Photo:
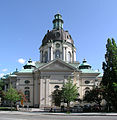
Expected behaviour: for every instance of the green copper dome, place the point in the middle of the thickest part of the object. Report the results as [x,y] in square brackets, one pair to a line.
[29,64]
[84,65]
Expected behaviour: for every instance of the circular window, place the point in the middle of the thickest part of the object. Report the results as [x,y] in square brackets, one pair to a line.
[27,81]
[87,82]
[57,34]
[57,45]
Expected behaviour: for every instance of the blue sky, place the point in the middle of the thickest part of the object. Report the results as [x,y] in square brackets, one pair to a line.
[23,24]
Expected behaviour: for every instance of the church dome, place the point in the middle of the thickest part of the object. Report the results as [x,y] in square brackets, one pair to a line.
[84,65]
[57,34]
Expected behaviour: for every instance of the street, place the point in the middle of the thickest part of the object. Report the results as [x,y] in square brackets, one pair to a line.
[39,116]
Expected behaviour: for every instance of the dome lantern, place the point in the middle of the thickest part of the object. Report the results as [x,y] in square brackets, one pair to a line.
[58,22]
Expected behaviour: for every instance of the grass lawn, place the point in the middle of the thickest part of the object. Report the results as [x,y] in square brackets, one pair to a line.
[6,109]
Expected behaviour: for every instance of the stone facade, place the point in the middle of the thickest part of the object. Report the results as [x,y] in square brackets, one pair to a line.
[37,80]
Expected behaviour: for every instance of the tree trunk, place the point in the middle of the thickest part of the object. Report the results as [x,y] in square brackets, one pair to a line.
[68,107]
[11,105]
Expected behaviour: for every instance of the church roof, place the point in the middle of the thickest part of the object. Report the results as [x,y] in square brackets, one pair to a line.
[89,71]
[42,65]
[76,65]
[57,33]
[26,71]
[30,63]
[86,68]
[84,65]
[39,64]
[13,74]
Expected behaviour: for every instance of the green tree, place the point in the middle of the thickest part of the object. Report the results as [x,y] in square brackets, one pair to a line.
[110,74]
[1,89]
[69,92]
[1,85]
[115,87]
[12,96]
[94,95]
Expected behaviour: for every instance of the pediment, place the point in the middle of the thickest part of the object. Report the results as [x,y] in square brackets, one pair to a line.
[57,66]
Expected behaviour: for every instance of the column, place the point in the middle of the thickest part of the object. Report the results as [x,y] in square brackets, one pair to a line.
[65,54]
[74,55]
[41,93]
[52,52]
[40,56]
[47,92]
[48,53]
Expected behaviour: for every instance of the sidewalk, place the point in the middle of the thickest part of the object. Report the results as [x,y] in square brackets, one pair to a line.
[59,114]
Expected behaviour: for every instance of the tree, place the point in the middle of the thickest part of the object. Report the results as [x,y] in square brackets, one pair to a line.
[94,95]
[69,92]
[1,88]
[110,74]
[12,96]
[1,85]
[57,97]
[115,87]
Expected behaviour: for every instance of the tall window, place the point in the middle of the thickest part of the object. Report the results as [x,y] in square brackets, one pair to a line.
[46,57]
[69,57]
[57,54]
[27,94]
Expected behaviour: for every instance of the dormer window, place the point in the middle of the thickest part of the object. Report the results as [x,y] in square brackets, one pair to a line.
[57,45]
[57,54]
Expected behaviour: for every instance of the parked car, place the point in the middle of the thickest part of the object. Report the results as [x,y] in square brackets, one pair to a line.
[87,108]
[96,108]
[77,108]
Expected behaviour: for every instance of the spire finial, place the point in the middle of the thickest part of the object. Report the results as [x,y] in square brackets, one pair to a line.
[30,60]
[84,60]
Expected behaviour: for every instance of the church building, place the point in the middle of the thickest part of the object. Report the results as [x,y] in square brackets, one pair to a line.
[37,80]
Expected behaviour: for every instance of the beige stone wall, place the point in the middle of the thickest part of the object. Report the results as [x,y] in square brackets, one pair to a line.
[21,86]
[64,50]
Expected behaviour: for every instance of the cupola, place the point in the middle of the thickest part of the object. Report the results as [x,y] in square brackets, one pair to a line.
[84,65]
[58,22]
[29,64]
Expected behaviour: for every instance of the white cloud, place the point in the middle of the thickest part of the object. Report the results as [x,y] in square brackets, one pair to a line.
[4,70]
[1,74]
[96,70]
[21,61]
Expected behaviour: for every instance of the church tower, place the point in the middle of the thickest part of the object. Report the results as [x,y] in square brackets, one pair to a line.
[57,43]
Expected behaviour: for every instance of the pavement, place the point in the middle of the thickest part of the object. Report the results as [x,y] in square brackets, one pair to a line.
[34,111]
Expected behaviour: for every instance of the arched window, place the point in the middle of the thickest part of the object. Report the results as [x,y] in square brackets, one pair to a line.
[69,57]
[27,94]
[56,86]
[27,88]
[86,92]
[46,57]
[57,54]
[87,88]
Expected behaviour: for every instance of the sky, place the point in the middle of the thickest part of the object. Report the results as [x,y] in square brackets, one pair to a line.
[23,24]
